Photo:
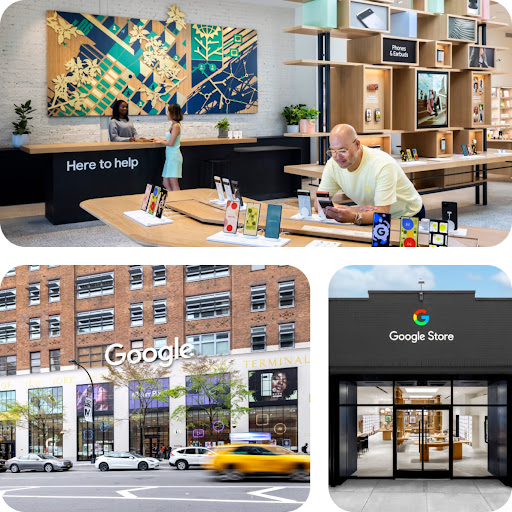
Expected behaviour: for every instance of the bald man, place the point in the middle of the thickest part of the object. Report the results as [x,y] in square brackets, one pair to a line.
[369,177]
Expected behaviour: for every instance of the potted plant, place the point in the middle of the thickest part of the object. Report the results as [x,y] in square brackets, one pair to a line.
[308,118]
[223,126]
[291,114]
[21,129]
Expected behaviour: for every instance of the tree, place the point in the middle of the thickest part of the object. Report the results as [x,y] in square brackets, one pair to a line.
[213,386]
[144,383]
[43,412]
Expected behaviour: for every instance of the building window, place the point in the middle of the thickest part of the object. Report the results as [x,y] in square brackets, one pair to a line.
[136,314]
[94,285]
[32,268]
[158,343]
[7,365]
[7,299]
[137,345]
[258,298]
[35,362]
[54,290]
[212,344]
[287,294]
[202,272]
[34,328]
[34,294]
[45,430]
[259,338]
[287,335]
[8,332]
[92,356]
[257,267]
[11,272]
[54,326]
[55,360]
[53,266]
[207,306]
[136,277]
[160,311]
[159,275]
[95,321]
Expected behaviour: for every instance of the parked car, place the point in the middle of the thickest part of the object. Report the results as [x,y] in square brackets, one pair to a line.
[125,460]
[38,462]
[236,461]
[183,458]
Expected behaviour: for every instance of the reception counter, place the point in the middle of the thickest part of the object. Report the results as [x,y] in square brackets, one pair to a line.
[80,171]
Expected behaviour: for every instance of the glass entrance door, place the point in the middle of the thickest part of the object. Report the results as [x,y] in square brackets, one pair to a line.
[422,441]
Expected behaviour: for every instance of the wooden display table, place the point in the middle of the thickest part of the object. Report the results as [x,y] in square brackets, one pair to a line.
[199,219]
[445,179]
[457,449]
[387,435]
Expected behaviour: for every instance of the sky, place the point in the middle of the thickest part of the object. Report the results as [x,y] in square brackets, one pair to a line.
[355,281]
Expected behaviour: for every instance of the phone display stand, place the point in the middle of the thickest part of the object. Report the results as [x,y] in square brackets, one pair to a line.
[250,241]
[218,202]
[460,233]
[146,219]
[323,243]
[315,218]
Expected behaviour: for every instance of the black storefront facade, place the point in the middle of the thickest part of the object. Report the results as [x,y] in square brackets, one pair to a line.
[420,386]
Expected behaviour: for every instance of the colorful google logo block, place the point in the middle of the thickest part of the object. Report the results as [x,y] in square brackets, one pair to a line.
[421,317]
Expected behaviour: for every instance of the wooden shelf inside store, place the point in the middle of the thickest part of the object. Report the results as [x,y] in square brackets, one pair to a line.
[346,33]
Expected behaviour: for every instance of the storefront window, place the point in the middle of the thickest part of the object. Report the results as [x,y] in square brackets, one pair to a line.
[201,433]
[7,428]
[103,420]
[280,421]
[156,432]
[375,392]
[45,422]
[423,392]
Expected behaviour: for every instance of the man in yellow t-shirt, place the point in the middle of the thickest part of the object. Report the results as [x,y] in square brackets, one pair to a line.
[369,177]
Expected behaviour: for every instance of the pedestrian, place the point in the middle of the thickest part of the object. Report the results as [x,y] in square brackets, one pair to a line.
[169,450]
[163,451]
[305,448]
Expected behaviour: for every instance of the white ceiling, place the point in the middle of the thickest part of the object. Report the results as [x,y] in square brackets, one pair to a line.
[271,3]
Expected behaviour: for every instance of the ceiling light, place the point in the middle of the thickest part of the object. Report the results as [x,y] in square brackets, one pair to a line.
[419,389]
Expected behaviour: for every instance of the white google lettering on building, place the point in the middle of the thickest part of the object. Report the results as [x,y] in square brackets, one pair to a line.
[166,355]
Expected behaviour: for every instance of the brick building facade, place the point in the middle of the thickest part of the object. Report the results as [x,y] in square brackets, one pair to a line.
[51,314]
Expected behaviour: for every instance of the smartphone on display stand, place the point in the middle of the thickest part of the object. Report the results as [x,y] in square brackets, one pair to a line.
[304,202]
[321,195]
[324,203]
[273,224]
[381,231]
[218,186]
[370,20]
[153,200]
[409,227]
[252,215]
[147,195]
[449,213]
[227,188]
[231,217]
[161,203]
[235,189]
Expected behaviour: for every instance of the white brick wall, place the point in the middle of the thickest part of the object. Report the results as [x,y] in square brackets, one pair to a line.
[23,65]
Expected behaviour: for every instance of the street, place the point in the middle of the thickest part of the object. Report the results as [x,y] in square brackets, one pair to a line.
[84,488]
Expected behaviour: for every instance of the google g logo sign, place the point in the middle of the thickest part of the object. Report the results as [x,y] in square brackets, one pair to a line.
[420,317]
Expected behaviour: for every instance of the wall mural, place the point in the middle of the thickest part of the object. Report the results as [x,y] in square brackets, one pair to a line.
[93,60]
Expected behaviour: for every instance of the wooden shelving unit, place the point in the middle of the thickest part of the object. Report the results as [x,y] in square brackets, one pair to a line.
[430,56]
[467,101]
[351,108]
[501,99]
[372,51]
[467,137]
[429,144]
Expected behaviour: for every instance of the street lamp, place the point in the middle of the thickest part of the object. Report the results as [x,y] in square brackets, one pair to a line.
[421,283]
[93,458]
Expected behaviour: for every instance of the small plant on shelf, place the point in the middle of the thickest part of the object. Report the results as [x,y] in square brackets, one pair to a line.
[223,126]
[308,118]
[21,129]
[292,116]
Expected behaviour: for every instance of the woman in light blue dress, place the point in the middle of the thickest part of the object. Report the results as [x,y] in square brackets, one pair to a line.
[173,158]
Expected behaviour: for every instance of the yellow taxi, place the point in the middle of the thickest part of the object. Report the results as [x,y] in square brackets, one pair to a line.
[234,462]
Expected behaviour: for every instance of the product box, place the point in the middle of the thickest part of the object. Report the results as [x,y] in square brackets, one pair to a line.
[320,13]
[404,24]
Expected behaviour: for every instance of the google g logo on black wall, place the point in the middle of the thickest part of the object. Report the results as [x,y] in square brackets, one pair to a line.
[420,317]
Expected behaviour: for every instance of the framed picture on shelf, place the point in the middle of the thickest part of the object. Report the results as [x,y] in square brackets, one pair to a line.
[474,7]
[462,29]
[369,16]
[481,57]
[432,99]
[412,419]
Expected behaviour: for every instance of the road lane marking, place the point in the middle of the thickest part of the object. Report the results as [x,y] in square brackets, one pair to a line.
[3,505]
[127,494]
[263,494]
[88,497]
[158,486]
